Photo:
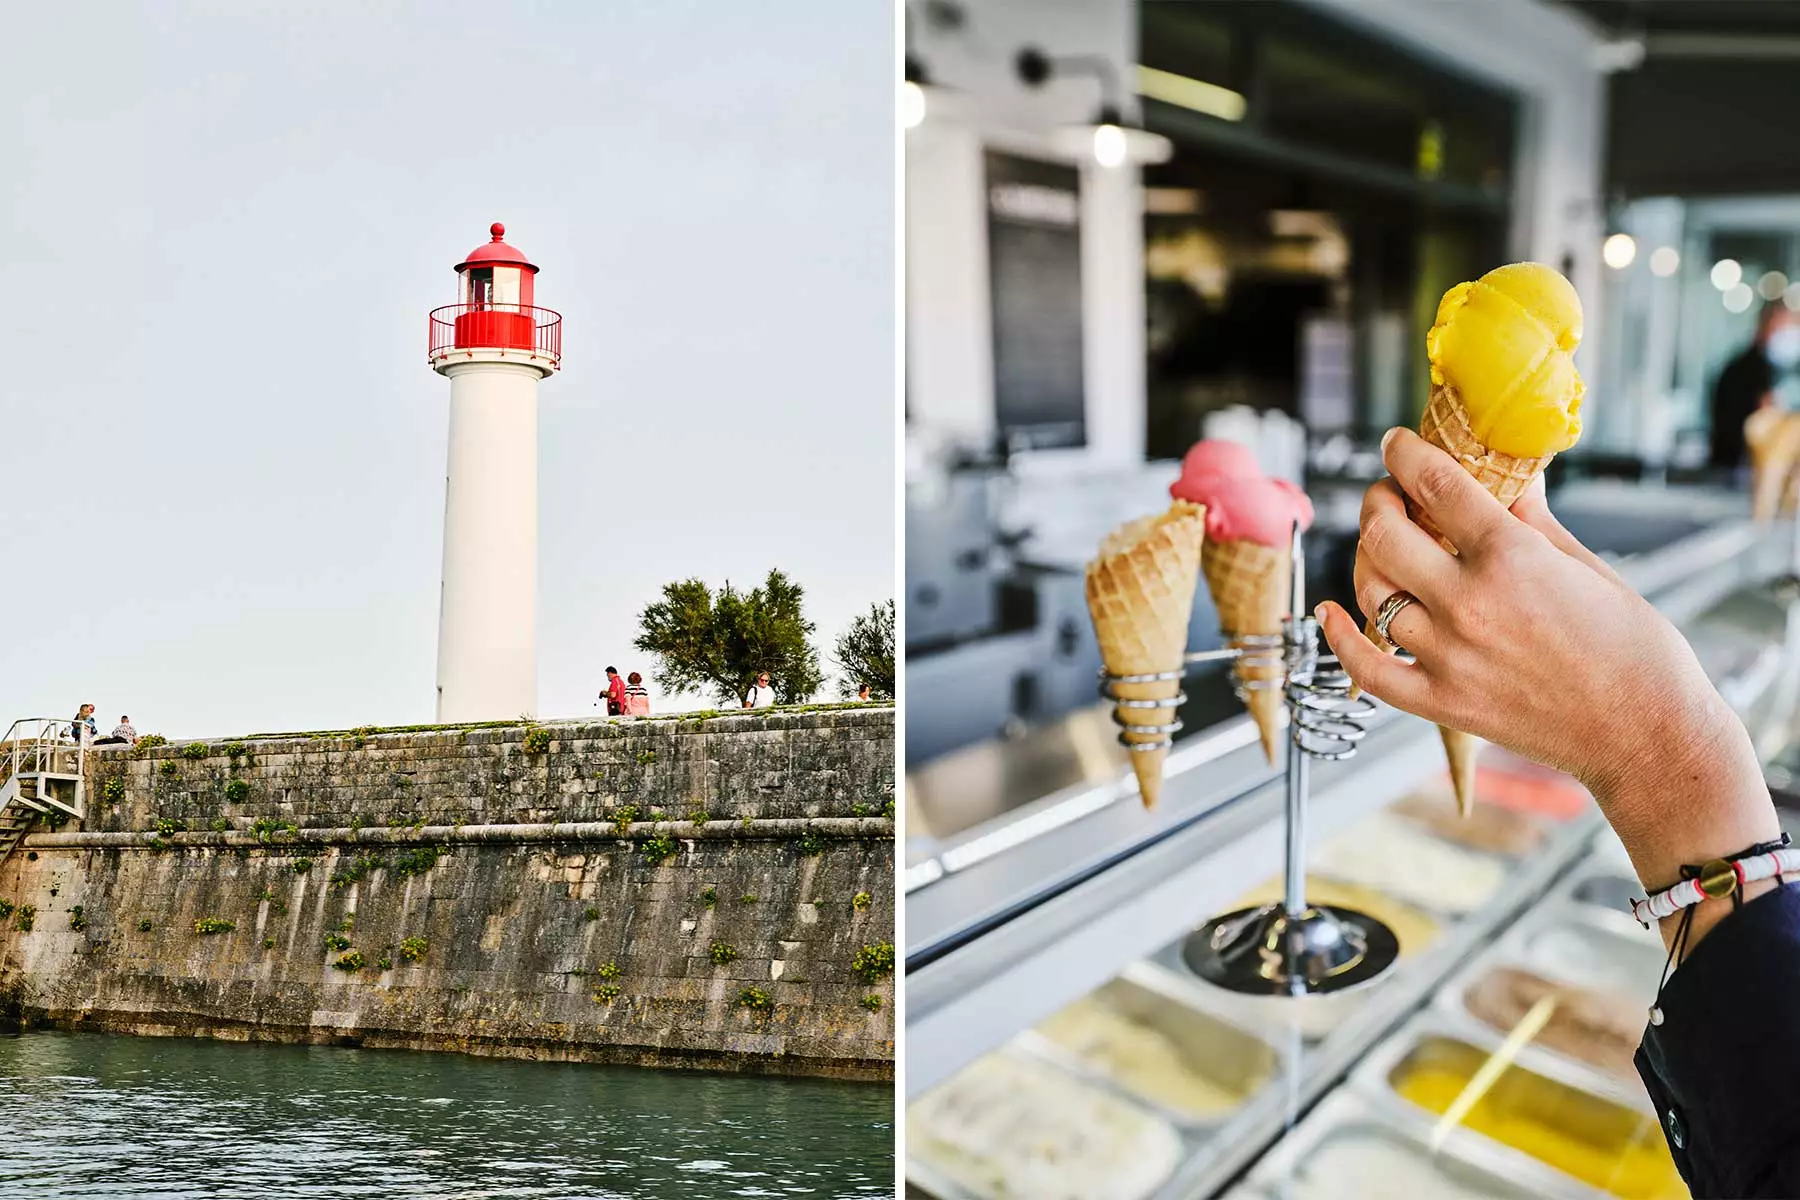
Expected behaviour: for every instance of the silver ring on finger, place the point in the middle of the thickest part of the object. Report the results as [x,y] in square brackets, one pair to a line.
[1391,608]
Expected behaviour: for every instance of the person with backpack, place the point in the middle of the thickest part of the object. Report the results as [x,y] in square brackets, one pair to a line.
[637,696]
[760,695]
[614,695]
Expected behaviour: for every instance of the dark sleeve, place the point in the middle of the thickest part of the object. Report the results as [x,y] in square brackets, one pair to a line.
[1722,1063]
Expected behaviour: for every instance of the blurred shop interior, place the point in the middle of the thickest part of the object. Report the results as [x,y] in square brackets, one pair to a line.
[1133,224]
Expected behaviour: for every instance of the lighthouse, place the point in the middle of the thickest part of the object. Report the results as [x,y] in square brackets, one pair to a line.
[494,345]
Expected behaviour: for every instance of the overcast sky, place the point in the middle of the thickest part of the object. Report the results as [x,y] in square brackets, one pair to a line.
[221,451]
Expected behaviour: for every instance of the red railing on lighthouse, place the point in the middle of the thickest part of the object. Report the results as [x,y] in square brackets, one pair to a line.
[496,326]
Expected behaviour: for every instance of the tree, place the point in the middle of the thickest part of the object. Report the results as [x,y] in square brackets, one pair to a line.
[718,643]
[865,653]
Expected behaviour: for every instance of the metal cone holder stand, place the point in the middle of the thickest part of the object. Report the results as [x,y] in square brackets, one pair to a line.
[1290,948]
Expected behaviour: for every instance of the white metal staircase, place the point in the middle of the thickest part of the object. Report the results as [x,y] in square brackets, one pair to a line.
[41,772]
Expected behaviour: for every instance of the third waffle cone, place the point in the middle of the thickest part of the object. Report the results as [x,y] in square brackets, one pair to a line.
[1249,583]
[1140,593]
[1506,477]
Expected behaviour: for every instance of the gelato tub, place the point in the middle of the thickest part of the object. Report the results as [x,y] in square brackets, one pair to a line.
[1601,1029]
[1389,852]
[1490,828]
[1007,1128]
[1616,1149]
[1365,1161]
[1184,1061]
[1583,953]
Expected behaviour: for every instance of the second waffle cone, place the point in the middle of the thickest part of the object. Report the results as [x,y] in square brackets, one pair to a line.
[1249,583]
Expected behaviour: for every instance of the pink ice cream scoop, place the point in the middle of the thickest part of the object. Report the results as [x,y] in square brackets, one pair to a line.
[1241,502]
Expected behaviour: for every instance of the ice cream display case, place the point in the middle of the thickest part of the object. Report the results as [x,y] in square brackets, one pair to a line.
[1060,1043]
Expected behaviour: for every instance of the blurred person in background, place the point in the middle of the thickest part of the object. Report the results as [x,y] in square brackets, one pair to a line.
[637,696]
[1747,384]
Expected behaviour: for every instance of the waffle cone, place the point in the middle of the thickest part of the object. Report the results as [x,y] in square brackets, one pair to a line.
[1506,477]
[1249,584]
[1140,594]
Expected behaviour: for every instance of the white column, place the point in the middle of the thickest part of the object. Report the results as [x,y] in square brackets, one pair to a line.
[487,623]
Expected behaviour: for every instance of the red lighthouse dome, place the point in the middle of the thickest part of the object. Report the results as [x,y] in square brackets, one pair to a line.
[496,317]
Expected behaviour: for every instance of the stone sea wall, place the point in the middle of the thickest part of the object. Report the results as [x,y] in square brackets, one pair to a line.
[713,892]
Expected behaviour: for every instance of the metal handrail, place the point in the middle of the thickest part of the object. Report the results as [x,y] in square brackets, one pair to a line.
[34,744]
[546,329]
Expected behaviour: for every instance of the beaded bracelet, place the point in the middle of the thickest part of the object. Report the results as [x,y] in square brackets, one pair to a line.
[1719,877]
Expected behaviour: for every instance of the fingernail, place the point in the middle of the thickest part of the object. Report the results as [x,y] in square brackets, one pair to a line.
[1389,436]
[1319,612]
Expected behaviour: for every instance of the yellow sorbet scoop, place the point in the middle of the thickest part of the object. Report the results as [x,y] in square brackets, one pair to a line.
[1506,343]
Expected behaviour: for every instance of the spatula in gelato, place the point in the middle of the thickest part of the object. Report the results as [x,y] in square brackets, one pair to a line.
[1250,521]
[1140,594]
[1505,399]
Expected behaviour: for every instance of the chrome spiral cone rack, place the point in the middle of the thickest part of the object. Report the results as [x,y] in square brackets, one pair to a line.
[1290,948]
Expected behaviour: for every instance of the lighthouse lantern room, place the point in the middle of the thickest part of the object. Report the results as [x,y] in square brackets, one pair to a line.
[494,345]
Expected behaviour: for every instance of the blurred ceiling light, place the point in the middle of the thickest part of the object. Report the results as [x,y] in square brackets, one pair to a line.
[1109,145]
[1108,139]
[912,94]
[1726,273]
[1195,94]
[1619,250]
[1738,297]
[1791,297]
[1772,285]
[1664,261]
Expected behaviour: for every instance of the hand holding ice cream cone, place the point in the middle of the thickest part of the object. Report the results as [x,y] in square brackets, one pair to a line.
[1505,399]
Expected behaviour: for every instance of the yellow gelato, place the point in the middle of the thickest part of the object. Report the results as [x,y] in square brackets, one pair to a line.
[1506,343]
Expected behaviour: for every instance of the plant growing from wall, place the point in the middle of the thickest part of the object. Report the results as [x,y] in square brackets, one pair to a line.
[150,741]
[302,865]
[235,751]
[336,941]
[413,949]
[113,790]
[352,961]
[360,868]
[709,897]
[221,824]
[608,970]
[699,816]
[6,909]
[268,943]
[722,952]
[747,898]
[213,925]
[873,962]
[195,751]
[27,918]
[77,919]
[756,999]
[416,861]
[811,844]
[384,963]
[887,810]
[859,810]
[169,768]
[266,829]
[590,913]
[646,757]
[144,925]
[359,737]
[623,817]
[537,740]
[861,901]
[237,790]
[169,827]
[606,993]
[659,849]
[871,1002]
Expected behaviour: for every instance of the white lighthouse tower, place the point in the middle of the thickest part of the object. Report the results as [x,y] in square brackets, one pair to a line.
[494,344]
